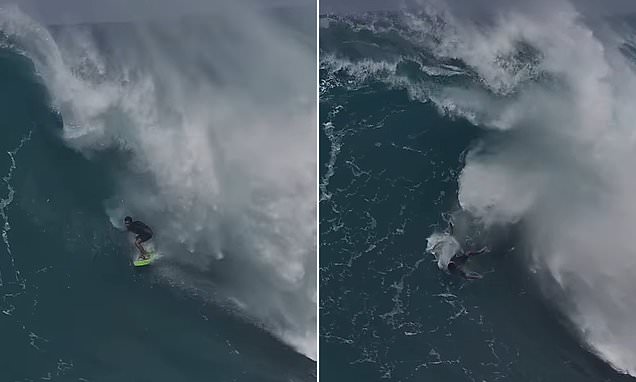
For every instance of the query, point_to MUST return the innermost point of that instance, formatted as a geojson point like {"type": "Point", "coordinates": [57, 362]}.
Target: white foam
{"type": "Point", "coordinates": [563, 93]}
{"type": "Point", "coordinates": [443, 246]}
{"type": "Point", "coordinates": [220, 129]}
{"type": "Point", "coordinates": [565, 172]}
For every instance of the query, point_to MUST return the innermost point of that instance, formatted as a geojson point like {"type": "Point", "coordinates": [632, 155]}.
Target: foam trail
{"type": "Point", "coordinates": [5, 203]}
{"type": "Point", "coordinates": [216, 119]}
{"type": "Point", "coordinates": [335, 143]}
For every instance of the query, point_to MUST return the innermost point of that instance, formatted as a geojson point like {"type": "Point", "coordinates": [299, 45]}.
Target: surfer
{"type": "Point", "coordinates": [450, 256]}
{"type": "Point", "coordinates": [143, 232]}
{"type": "Point", "coordinates": [455, 266]}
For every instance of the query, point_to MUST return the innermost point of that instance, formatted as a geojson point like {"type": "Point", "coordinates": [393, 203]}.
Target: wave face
{"type": "Point", "coordinates": [536, 106]}
{"type": "Point", "coordinates": [202, 127]}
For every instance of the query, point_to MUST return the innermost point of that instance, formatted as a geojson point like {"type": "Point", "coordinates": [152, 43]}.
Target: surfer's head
{"type": "Point", "coordinates": [127, 220]}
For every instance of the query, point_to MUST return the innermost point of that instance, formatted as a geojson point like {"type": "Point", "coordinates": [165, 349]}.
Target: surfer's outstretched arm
{"type": "Point", "coordinates": [475, 253]}
{"type": "Point", "coordinates": [470, 276]}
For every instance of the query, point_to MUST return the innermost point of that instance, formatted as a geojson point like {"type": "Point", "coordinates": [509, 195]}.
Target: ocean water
{"type": "Point", "coordinates": [172, 122]}
{"type": "Point", "coordinates": [520, 129]}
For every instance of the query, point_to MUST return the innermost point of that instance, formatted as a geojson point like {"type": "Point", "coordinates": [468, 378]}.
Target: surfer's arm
{"type": "Point", "coordinates": [469, 276]}
{"type": "Point", "coordinates": [472, 276]}
{"type": "Point", "coordinates": [450, 227]}
{"type": "Point", "coordinates": [474, 253]}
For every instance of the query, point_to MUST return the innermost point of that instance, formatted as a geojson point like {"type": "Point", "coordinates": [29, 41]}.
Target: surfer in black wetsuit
{"type": "Point", "coordinates": [456, 264]}
{"type": "Point", "coordinates": [143, 232]}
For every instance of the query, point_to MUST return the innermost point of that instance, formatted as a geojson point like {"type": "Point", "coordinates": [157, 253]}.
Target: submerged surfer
{"type": "Point", "coordinates": [143, 232]}
{"type": "Point", "coordinates": [454, 264]}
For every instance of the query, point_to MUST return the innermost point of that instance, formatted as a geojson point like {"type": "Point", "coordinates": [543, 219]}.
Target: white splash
{"type": "Point", "coordinates": [443, 246]}
{"type": "Point", "coordinates": [558, 95]}
{"type": "Point", "coordinates": [217, 120]}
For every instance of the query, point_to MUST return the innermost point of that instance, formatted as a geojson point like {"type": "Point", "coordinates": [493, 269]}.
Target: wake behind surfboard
{"type": "Point", "coordinates": [141, 262]}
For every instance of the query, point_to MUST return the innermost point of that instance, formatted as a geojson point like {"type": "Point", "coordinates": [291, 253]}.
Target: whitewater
{"type": "Point", "coordinates": [550, 90]}
{"type": "Point", "coordinates": [196, 124]}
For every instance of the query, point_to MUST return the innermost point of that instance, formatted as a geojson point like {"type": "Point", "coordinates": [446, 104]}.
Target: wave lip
{"type": "Point", "coordinates": [553, 92]}
{"type": "Point", "coordinates": [214, 146]}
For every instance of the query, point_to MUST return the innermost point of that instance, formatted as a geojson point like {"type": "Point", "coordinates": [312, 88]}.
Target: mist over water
{"type": "Point", "coordinates": [563, 171]}
{"type": "Point", "coordinates": [553, 91]}
{"type": "Point", "coordinates": [212, 122]}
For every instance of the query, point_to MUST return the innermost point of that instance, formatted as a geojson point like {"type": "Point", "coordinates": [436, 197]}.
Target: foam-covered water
{"type": "Point", "coordinates": [199, 126]}
{"type": "Point", "coordinates": [521, 123]}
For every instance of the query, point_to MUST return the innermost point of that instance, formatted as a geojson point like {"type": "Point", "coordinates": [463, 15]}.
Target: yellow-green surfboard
{"type": "Point", "coordinates": [141, 263]}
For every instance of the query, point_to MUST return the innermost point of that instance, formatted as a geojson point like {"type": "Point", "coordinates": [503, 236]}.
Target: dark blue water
{"type": "Point", "coordinates": [389, 167]}
{"type": "Point", "coordinates": [72, 306]}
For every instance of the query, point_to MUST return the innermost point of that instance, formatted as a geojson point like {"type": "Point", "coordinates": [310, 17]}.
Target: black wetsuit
{"type": "Point", "coordinates": [144, 233]}
{"type": "Point", "coordinates": [456, 265]}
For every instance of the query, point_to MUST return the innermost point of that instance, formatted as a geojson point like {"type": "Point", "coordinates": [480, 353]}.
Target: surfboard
{"type": "Point", "coordinates": [141, 263]}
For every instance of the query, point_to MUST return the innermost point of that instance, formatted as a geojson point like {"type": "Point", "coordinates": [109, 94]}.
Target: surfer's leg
{"type": "Point", "coordinates": [142, 252]}
{"type": "Point", "coordinates": [142, 239]}
{"type": "Point", "coordinates": [139, 247]}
